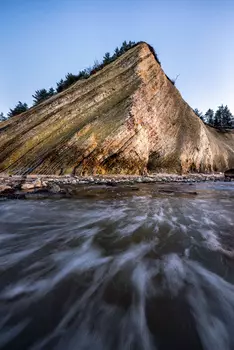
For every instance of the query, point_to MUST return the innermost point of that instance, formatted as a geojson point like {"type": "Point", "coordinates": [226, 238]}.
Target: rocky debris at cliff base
{"type": "Point", "coordinates": [31, 185]}
{"type": "Point", "coordinates": [43, 186]}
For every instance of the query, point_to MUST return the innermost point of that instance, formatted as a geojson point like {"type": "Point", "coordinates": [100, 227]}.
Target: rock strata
{"type": "Point", "coordinates": [126, 119]}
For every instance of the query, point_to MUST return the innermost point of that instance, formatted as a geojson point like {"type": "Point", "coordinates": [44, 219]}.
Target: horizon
{"type": "Point", "coordinates": [42, 62]}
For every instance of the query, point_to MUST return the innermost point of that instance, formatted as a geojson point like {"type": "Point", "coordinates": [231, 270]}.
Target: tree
{"type": "Point", "coordinates": [69, 80]}
{"type": "Point", "coordinates": [19, 108]}
{"type": "Point", "coordinates": [96, 65]}
{"type": "Point", "coordinates": [51, 92]}
{"type": "Point", "coordinates": [227, 117]}
{"type": "Point", "coordinates": [199, 114]}
{"type": "Point", "coordinates": [84, 74]}
{"type": "Point", "coordinates": [116, 53]}
{"type": "Point", "coordinates": [107, 58]}
{"type": "Point", "coordinates": [217, 119]}
{"type": "Point", "coordinates": [223, 117]}
{"type": "Point", "coordinates": [42, 95]}
{"type": "Point", "coordinates": [60, 85]}
{"type": "Point", "coordinates": [131, 44]}
{"type": "Point", "coordinates": [209, 116]}
{"type": "Point", "coordinates": [124, 47]}
{"type": "Point", "coordinates": [2, 117]}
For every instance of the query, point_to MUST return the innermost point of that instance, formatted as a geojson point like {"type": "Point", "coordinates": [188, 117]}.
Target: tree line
{"type": "Point", "coordinates": [43, 94]}
{"type": "Point", "coordinates": [222, 118]}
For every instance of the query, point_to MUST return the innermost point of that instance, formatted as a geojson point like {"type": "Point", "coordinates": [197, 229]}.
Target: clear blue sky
{"type": "Point", "coordinates": [42, 40]}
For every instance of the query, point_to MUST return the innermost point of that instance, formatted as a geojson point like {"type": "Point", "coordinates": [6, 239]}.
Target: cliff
{"type": "Point", "coordinates": [125, 119]}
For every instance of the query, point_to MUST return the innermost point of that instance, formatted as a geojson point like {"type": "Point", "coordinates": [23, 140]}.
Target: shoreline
{"type": "Point", "coordinates": [53, 186]}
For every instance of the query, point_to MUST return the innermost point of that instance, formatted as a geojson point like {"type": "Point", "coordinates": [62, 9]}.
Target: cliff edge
{"type": "Point", "coordinates": [126, 119]}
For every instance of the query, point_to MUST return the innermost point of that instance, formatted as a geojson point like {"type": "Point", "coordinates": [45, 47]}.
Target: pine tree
{"type": "Point", "coordinates": [96, 67]}
{"type": "Point", "coordinates": [42, 95]}
{"type": "Point", "coordinates": [116, 53]}
{"type": "Point", "coordinates": [70, 79]}
{"type": "Point", "coordinates": [124, 47]}
{"type": "Point", "coordinates": [60, 86]}
{"type": "Point", "coordinates": [218, 117]}
{"type": "Point", "coordinates": [209, 116]}
{"type": "Point", "coordinates": [199, 114]}
{"type": "Point", "coordinates": [227, 117]}
{"type": "Point", "coordinates": [19, 108]}
{"type": "Point", "coordinates": [107, 58]}
{"type": "Point", "coordinates": [51, 92]}
{"type": "Point", "coordinates": [2, 117]}
{"type": "Point", "coordinates": [84, 74]}
{"type": "Point", "coordinates": [131, 44]}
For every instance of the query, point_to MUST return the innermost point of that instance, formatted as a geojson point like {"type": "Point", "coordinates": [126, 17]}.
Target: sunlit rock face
{"type": "Point", "coordinates": [126, 119]}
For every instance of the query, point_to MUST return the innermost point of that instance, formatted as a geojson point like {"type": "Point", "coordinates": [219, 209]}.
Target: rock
{"type": "Point", "coordinates": [31, 185]}
{"type": "Point", "coordinates": [27, 186]}
{"type": "Point", "coordinates": [229, 173]}
{"type": "Point", "coordinates": [142, 125]}
{"type": "Point", "coordinates": [134, 188]}
{"type": "Point", "coordinates": [5, 188]}
{"type": "Point", "coordinates": [111, 184]}
{"type": "Point", "coordinates": [37, 183]}
{"type": "Point", "coordinates": [31, 177]}
{"type": "Point", "coordinates": [53, 187]}
{"type": "Point", "coordinates": [228, 253]}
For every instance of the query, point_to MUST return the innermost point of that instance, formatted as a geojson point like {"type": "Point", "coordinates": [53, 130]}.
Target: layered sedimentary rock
{"type": "Point", "coordinates": [126, 119]}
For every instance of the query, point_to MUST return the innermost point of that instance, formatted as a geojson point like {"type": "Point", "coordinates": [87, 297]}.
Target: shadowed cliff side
{"type": "Point", "coordinates": [125, 119]}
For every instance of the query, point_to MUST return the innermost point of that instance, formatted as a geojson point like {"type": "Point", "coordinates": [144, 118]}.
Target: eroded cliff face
{"type": "Point", "coordinates": [125, 119]}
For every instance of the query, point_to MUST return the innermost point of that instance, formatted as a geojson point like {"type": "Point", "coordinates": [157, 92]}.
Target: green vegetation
{"type": "Point", "coordinates": [19, 108]}
{"type": "Point", "coordinates": [43, 94]}
{"type": "Point", "coordinates": [222, 118]}
{"type": "Point", "coordinates": [199, 114]}
{"type": "Point", "coordinates": [2, 117]}
{"type": "Point", "coordinates": [209, 116]}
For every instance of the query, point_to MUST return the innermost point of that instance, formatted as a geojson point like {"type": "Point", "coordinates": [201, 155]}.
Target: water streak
{"type": "Point", "coordinates": [143, 271]}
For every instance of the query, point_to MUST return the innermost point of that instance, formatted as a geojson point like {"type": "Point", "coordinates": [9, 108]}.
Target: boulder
{"type": "Point", "coordinates": [27, 186]}
{"type": "Point", "coordinates": [229, 173]}
{"type": "Point", "coordinates": [53, 187]}
{"type": "Point", "coordinates": [5, 188]}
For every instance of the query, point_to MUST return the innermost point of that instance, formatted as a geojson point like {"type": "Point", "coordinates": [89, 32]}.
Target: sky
{"type": "Point", "coordinates": [42, 40]}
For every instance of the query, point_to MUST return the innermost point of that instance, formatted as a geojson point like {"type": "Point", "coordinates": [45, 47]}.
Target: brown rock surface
{"type": "Point", "coordinates": [4, 188]}
{"type": "Point", "coordinates": [126, 119]}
